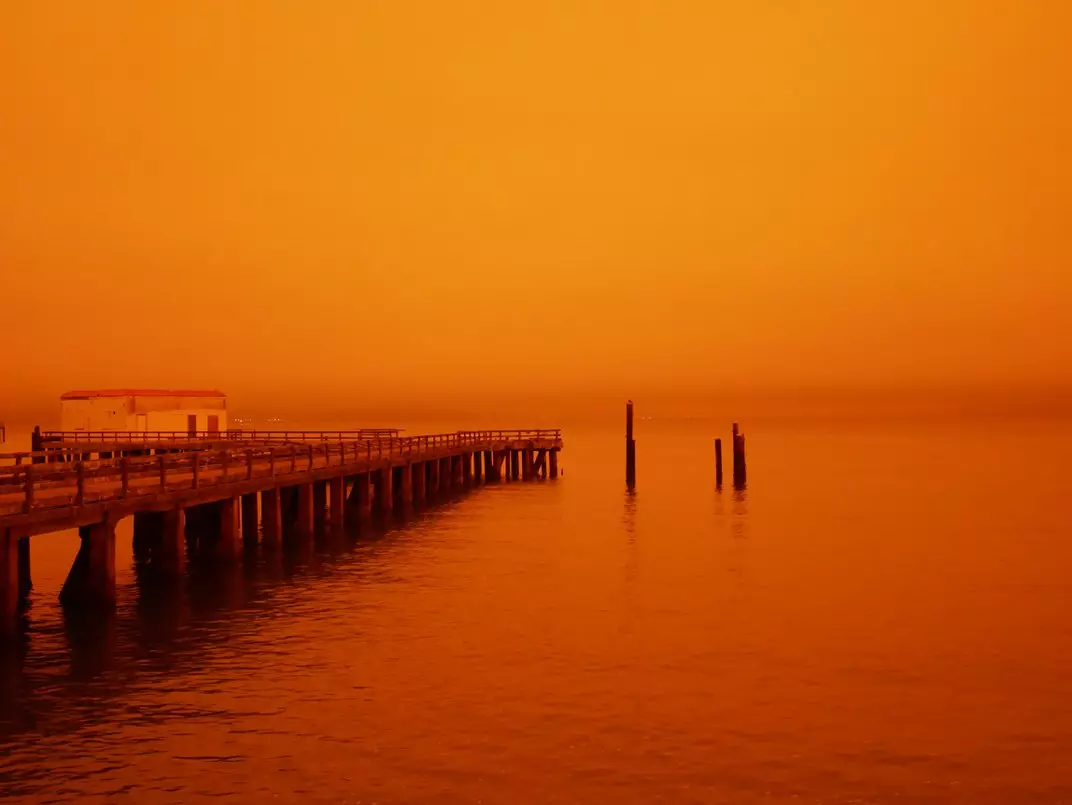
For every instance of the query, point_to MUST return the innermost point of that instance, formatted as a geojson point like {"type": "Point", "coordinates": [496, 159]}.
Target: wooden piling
{"type": "Point", "coordinates": [386, 490]}
{"type": "Point", "coordinates": [25, 580]}
{"type": "Point", "coordinates": [337, 501]}
{"type": "Point", "coordinates": [320, 504]}
{"type": "Point", "coordinates": [718, 463]}
{"type": "Point", "coordinates": [272, 507]}
{"type": "Point", "coordinates": [306, 519]}
{"type": "Point", "coordinates": [420, 483]}
{"type": "Point", "coordinates": [9, 581]}
{"type": "Point", "coordinates": [172, 553]}
{"type": "Point", "coordinates": [630, 447]}
{"type": "Point", "coordinates": [229, 543]}
{"type": "Point", "coordinates": [249, 518]}
{"type": "Point", "coordinates": [740, 466]}
{"type": "Point", "coordinates": [554, 463]}
{"type": "Point", "coordinates": [91, 580]}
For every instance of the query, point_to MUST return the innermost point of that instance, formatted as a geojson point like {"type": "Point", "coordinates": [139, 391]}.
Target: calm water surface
{"type": "Point", "coordinates": [883, 617]}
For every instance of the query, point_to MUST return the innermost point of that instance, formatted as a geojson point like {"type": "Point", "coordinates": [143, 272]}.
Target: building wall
{"type": "Point", "coordinates": [176, 420]}
{"type": "Point", "coordinates": [141, 413]}
{"type": "Point", "coordinates": [96, 413]}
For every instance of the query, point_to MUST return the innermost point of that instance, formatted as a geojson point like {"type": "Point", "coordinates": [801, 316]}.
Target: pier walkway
{"type": "Point", "coordinates": [211, 497]}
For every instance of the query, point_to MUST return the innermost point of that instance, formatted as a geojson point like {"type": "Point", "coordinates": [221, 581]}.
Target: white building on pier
{"type": "Point", "coordinates": [171, 410]}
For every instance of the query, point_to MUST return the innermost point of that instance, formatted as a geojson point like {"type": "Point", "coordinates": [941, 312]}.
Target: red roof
{"type": "Point", "coordinates": [86, 394]}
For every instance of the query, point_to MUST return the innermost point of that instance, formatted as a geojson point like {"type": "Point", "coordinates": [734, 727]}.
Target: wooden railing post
{"type": "Point", "coordinates": [225, 465]}
{"type": "Point", "coordinates": [197, 468]}
{"type": "Point", "coordinates": [80, 484]}
{"type": "Point", "coordinates": [28, 488]}
{"type": "Point", "coordinates": [294, 458]}
{"type": "Point", "coordinates": [271, 461]}
{"type": "Point", "coordinates": [310, 456]}
{"type": "Point", "coordinates": [249, 464]}
{"type": "Point", "coordinates": [162, 461]}
{"type": "Point", "coordinates": [124, 472]}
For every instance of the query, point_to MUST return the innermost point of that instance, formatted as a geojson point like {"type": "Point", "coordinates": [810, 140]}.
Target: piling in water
{"type": "Point", "coordinates": [740, 466]}
{"type": "Point", "coordinates": [630, 447]}
{"type": "Point", "coordinates": [718, 463]}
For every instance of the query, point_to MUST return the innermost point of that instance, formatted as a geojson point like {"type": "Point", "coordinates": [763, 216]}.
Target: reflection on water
{"type": "Point", "coordinates": [843, 631]}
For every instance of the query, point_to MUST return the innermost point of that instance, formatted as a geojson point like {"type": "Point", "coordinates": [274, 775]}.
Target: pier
{"type": "Point", "coordinates": [213, 495]}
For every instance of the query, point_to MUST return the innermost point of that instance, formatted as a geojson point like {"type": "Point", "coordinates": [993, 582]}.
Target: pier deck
{"type": "Point", "coordinates": [232, 492]}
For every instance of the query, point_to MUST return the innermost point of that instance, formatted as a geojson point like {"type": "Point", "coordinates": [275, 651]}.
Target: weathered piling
{"type": "Point", "coordinates": [718, 463]}
{"type": "Point", "coordinates": [630, 447]}
{"type": "Point", "coordinates": [740, 466]}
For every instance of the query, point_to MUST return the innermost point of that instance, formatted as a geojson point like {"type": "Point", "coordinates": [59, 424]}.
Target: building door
{"type": "Point", "coordinates": [213, 423]}
{"type": "Point", "coordinates": [191, 425]}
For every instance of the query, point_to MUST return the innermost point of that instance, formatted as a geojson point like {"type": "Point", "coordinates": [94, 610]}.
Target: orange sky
{"type": "Point", "coordinates": [343, 200]}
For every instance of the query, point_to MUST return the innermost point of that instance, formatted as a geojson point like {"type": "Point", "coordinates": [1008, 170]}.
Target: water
{"type": "Point", "coordinates": [883, 617]}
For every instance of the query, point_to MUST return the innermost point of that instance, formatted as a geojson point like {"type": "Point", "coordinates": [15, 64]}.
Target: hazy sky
{"type": "Point", "coordinates": [399, 199]}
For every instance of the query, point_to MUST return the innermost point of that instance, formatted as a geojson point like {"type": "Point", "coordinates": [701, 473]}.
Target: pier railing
{"type": "Point", "coordinates": [231, 434]}
{"type": "Point", "coordinates": [26, 486]}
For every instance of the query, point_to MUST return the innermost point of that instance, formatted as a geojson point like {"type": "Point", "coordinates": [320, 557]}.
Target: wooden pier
{"type": "Point", "coordinates": [213, 497]}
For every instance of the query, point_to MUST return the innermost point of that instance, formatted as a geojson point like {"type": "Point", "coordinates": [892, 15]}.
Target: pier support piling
{"type": "Point", "coordinates": [25, 579]}
{"type": "Point", "coordinates": [432, 476]}
{"type": "Point", "coordinates": [320, 504]}
{"type": "Point", "coordinates": [386, 490]}
{"type": "Point", "coordinates": [171, 556]}
{"type": "Point", "coordinates": [363, 490]}
{"type": "Point", "coordinates": [554, 463]}
{"type": "Point", "coordinates": [272, 508]}
{"type": "Point", "coordinates": [407, 484]}
{"type": "Point", "coordinates": [91, 580]}
{"type": "Point", "coordinates": [229, 543]}
{"type": "Point", "coordinates": [305, 522]}
{"type": "Point", "coordinates": [718, 463]}
{"type": "Point", "coordinates": [9, 581]}
{"type": "Point", "coordinates": [337, 501]}
{"type": "Point", "coordinates": [630, 448]}
{"type": "Point", "coordinates": [419, 481]}
{"type": "Point", "coordinates": [249, 519]}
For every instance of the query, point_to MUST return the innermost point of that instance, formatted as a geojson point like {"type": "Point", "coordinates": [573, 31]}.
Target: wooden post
{"type": "Point", "coordinates": [173, 545]}
{"type": "Point", "coordinates": [25, 580]}
{"type": "Point", "coordinates": [630, 447]}
{"type": "Point", "coordinates": [320, 504]}
{"type": "Point", "coordinates": [432, 475]}
{"type": "Point", "coordinates": [407, 484]}
{"type": "Point", "coordinates": [554, 463]}
{"type": "Point", "coordinates": [272, 506]}
{"type": "Point", "coordinates": [718, 463]}
{"type": "Point", "coordinates": [306, 524]}
{"type": "Point", "coordinates": [386, 490]}
{"type": "Point", "coordinates": [229, 544]}
{"type": "Point", "coordinates": [91, 581]}
{"type": "Point", "coordinates": [740, 467]}
{"type": "Point", "coordinates": [37, 444]}
{"type": "Point", "coordinates": [80, 483]}
{"type": "Point", "coordinates": [467, 468]}
{"type": "Point", "coordinates": [363, 489]}
{"type": "Point", "coordinates": [420, 483]}
{"type": "Point", "coordinates": [124, 472]}
{"type": "Point", "coordinates": [9, 581]}
{"type": "Point", "coordinates": [28, 488]}
{"type": "Point", "coordinates": [197, 469]}
{"type": "Point", "coordinates": [161, 460]}
{"type": "Point", "coordinates": [249, 518]}
{"type": "Point", "coordinates": [337, 501]}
